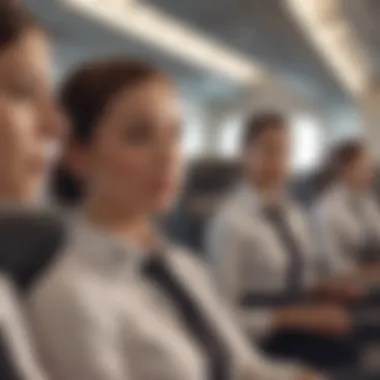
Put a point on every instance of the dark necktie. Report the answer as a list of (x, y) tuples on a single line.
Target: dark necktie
[(158, 271), (368, 249), (277, 218), (8, 370)]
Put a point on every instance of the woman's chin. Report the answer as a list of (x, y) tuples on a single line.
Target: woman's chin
[(161, 204)]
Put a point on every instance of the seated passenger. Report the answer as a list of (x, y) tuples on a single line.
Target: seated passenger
[(260, 245), (123, 302), (347, 215), (28, 130)]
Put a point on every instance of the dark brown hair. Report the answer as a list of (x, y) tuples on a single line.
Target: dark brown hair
[(15, 20), (346, 153), (92, 87), (85, 96), (257, 124), (341, 156)]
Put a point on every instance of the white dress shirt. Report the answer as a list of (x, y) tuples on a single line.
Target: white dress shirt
[(15, 335), (344, 224), (97, 318), (248, 255)]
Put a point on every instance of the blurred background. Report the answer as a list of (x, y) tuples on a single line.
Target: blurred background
[(316, 60)]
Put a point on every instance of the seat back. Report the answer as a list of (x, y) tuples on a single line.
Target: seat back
[(207, 182), (29, 241)]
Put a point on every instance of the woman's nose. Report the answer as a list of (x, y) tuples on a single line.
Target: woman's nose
[(53, 121)]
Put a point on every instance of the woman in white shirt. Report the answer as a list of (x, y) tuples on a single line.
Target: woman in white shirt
[(122, 302), (28, 128), (347, 215), (260, 243)]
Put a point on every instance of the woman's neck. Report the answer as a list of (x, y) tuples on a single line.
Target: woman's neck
[(131, 226), (268, 194)]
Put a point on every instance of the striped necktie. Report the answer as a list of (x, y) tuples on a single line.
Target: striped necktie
[(369, 248)]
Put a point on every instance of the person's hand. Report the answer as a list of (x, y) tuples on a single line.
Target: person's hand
[(326, 320), (310, 375), (340, 290)]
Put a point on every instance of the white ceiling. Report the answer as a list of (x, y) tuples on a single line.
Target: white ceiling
[(261, 29)]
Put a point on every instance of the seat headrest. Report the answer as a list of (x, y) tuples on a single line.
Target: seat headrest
[(29, 241)]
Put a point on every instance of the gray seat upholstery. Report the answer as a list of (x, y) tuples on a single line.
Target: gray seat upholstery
[(207, 182), (29, 240)]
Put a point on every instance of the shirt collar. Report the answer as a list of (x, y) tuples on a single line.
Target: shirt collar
[(250, 199), (104, 248)]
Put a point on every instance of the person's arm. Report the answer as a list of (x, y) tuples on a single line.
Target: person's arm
[(373, 206), (227, 246), (341, 275), (15, 335), (78, 340), (327, 273), (372, 215), (334, 262), (368, 273)]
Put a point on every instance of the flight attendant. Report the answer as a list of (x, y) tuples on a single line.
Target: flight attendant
[(123, 302), (261, 246), (347, 215), (29, 130)]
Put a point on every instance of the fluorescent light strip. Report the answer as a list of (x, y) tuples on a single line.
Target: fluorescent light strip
[(165, 33), (323, 23)]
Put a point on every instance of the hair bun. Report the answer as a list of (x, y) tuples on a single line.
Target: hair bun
[(65, 187)]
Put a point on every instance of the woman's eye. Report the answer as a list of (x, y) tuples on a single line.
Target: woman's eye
[(148, 132), (21, 91)]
